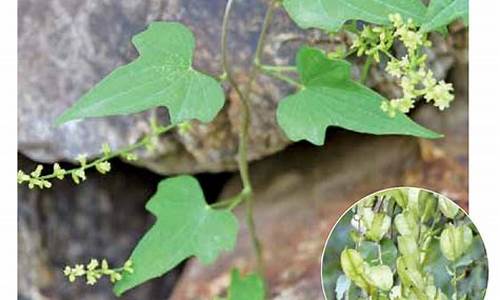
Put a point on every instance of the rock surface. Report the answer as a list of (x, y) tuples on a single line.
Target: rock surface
[(103, 218), (302, 192), (66, 46)]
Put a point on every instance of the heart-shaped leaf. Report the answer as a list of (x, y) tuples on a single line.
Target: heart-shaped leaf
[(185, 226), (161, 76), (331, 98), (330, 15)]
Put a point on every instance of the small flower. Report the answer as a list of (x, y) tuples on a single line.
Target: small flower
[(37, 172), (441, 95), (127, 267), (130, 156), (429, 81), (115, 276), (104, 265), (404, 105), (389, 108), (79, 270), (91, 279), (46, 184), (58, 171), (396, 20), (78, 174), (82, 159), (394, 68), (106, 149), (21, 177), (67, 270), (103, 167), (93, 264)]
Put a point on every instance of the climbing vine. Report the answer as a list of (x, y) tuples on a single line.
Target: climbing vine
[(405, 243), (325, 95)]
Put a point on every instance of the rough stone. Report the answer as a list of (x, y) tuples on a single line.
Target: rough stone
[(101, 218), (66, 46)]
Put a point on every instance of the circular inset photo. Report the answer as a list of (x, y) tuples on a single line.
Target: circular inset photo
[(404, 243)]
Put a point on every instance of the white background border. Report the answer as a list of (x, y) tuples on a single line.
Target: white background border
[(484, 138), (8, 156), (484, 132)]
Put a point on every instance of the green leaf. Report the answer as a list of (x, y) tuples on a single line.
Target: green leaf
[(389, 252), (436, 264), (161, 76), (473, 254), (331, 98), (330, 15), (185, 226), (250, 287), (442, 12), (368, 251)]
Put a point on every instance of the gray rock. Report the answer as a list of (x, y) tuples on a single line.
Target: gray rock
[(102, 218), (66, 46)]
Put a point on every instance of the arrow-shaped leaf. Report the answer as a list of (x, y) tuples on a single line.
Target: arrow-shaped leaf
[(161, 76), (331, 98), (185, 226), (330, 15)]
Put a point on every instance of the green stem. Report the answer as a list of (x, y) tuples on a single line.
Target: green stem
[(244, 96), (143, 142), (280, 76), (247, 187), (278, 68), (228, 204), (366, 69), (454, 282)]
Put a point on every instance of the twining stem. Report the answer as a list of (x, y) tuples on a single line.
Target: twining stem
[(245, 126), (244, 96)]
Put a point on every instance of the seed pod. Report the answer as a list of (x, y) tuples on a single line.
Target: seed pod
[(353, 266), (381, 276), (406, 224), (411, 278), (455, 240), (409, 250), (429, 205), (447, 207), (378, 227)]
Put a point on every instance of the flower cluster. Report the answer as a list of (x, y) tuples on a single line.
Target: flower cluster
[(94, 271), (414, 77), (36, 179), (372, 41)]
